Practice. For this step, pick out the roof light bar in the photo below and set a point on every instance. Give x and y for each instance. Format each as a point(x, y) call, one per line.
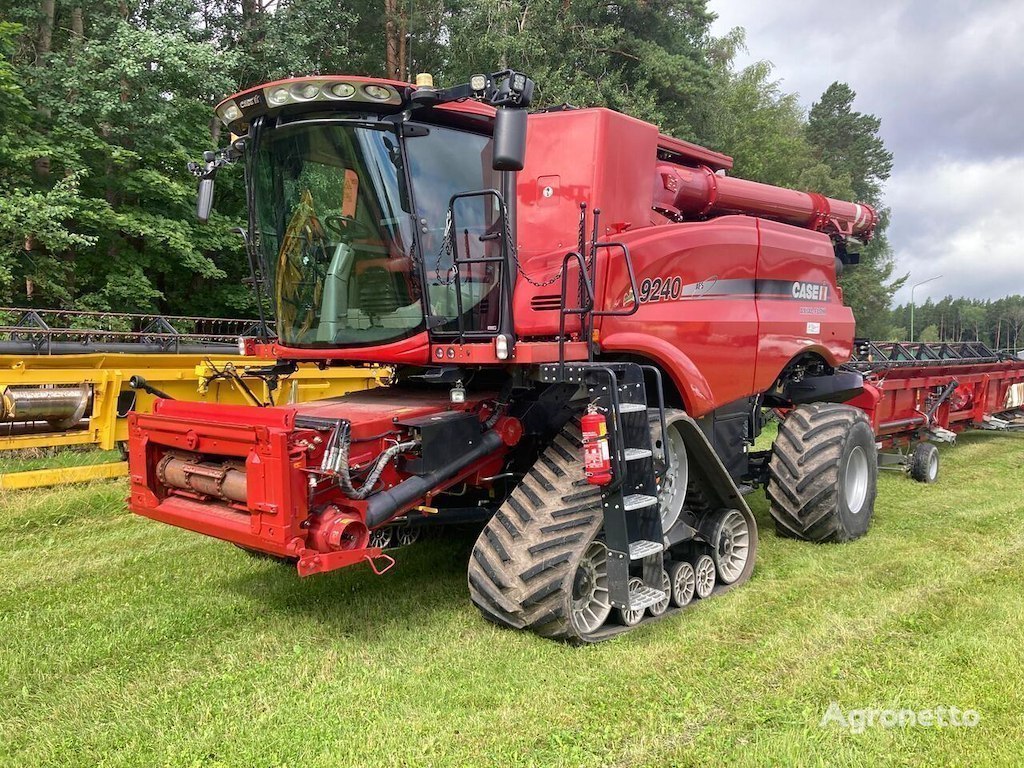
point(270, 98)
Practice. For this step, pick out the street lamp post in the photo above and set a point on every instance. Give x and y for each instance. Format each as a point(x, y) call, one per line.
point(912, 289)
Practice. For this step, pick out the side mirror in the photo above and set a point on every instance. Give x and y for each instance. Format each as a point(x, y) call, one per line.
point(204, 203)
point(509, 152)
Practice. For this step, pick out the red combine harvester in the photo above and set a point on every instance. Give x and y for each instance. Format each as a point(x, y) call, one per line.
point(588, 327)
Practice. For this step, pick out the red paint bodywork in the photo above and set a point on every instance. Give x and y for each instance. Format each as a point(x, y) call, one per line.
point(277, 456)
point(896, 400)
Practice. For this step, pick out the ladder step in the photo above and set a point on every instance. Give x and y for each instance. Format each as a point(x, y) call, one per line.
point(638, 550)
point(635, 454)
point(644, 597)
point(638, 501)
point(631, 407)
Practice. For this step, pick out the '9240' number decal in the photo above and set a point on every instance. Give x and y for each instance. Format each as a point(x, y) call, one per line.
point(660, 289)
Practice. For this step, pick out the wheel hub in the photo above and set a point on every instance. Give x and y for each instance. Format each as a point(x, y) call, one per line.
point(855, 480)
point(675, 478)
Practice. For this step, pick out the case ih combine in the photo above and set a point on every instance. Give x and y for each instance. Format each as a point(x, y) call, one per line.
point(585, 347)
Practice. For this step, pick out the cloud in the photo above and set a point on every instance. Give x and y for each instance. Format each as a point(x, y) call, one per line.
point(956, 219)
point(947, 80)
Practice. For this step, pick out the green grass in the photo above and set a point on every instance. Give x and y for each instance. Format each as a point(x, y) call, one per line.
point(54, 458)
point(127, 642)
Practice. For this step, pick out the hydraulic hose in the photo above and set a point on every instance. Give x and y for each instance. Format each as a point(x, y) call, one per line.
point(335, 461)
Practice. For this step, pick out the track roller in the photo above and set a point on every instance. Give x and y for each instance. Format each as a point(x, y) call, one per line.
point(381, 537)
point(406, 535)
point(683, 583)
point(729, 537)
point(632, 617)
point(659, 608)
point(704, 576)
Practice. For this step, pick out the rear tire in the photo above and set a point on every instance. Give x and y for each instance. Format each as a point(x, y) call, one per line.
point(924, 464)
point(823, 474)
point(525, 571)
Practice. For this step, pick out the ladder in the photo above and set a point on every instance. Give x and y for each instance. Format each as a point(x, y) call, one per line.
point(632, 513)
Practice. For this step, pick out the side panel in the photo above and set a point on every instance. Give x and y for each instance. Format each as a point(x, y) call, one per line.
point(596, 156)
point(696, 298)
point(798, 305)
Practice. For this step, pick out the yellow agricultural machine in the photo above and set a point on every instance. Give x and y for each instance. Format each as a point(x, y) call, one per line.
point(72, 378)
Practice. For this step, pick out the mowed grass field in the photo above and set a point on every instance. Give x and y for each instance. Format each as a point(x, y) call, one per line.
point(124, 642)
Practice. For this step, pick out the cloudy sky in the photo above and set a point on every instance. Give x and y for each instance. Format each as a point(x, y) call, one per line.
point(947, 79)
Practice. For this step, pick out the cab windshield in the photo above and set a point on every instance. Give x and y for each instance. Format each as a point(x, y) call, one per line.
point(336, 231)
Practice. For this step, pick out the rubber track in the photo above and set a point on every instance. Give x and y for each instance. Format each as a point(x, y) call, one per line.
point(522, 567)
point(804, 470)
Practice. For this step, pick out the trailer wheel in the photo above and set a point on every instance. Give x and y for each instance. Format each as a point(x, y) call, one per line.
point(924, 464)
point(823, 474)
point(538, 563)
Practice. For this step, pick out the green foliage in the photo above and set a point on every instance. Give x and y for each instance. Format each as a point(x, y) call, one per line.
point(852, 162)
point(998, 323)
point(103, 102)
point(929, 333)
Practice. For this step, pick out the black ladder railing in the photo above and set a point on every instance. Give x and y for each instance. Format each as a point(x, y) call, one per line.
point(504, 278)
point(587, 285)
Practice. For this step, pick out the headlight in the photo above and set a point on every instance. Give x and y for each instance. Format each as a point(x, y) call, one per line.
point(279, 96)
point(305, 91)
point(231, 113)
point(342, 90)
point(378, 92)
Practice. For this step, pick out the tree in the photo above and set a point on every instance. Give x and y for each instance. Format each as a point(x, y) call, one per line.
point(930, 333)
point(760, 126)
point(847, 143)
point(125, 103)
point(650, 59)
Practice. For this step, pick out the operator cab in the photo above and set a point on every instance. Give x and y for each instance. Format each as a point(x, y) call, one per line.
point(346, 210)
point(374, 216)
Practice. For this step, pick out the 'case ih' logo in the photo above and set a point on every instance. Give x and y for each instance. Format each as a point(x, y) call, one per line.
point(810, 291)
point(250, 102)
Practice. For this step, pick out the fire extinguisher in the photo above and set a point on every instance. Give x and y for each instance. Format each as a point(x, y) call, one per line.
point(597, 465)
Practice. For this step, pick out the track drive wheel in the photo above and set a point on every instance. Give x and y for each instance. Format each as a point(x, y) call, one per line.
point(823, 474)
point(538, 563)
point(924, 464)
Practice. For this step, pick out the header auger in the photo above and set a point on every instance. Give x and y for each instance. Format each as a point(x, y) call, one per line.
point(526, 275)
